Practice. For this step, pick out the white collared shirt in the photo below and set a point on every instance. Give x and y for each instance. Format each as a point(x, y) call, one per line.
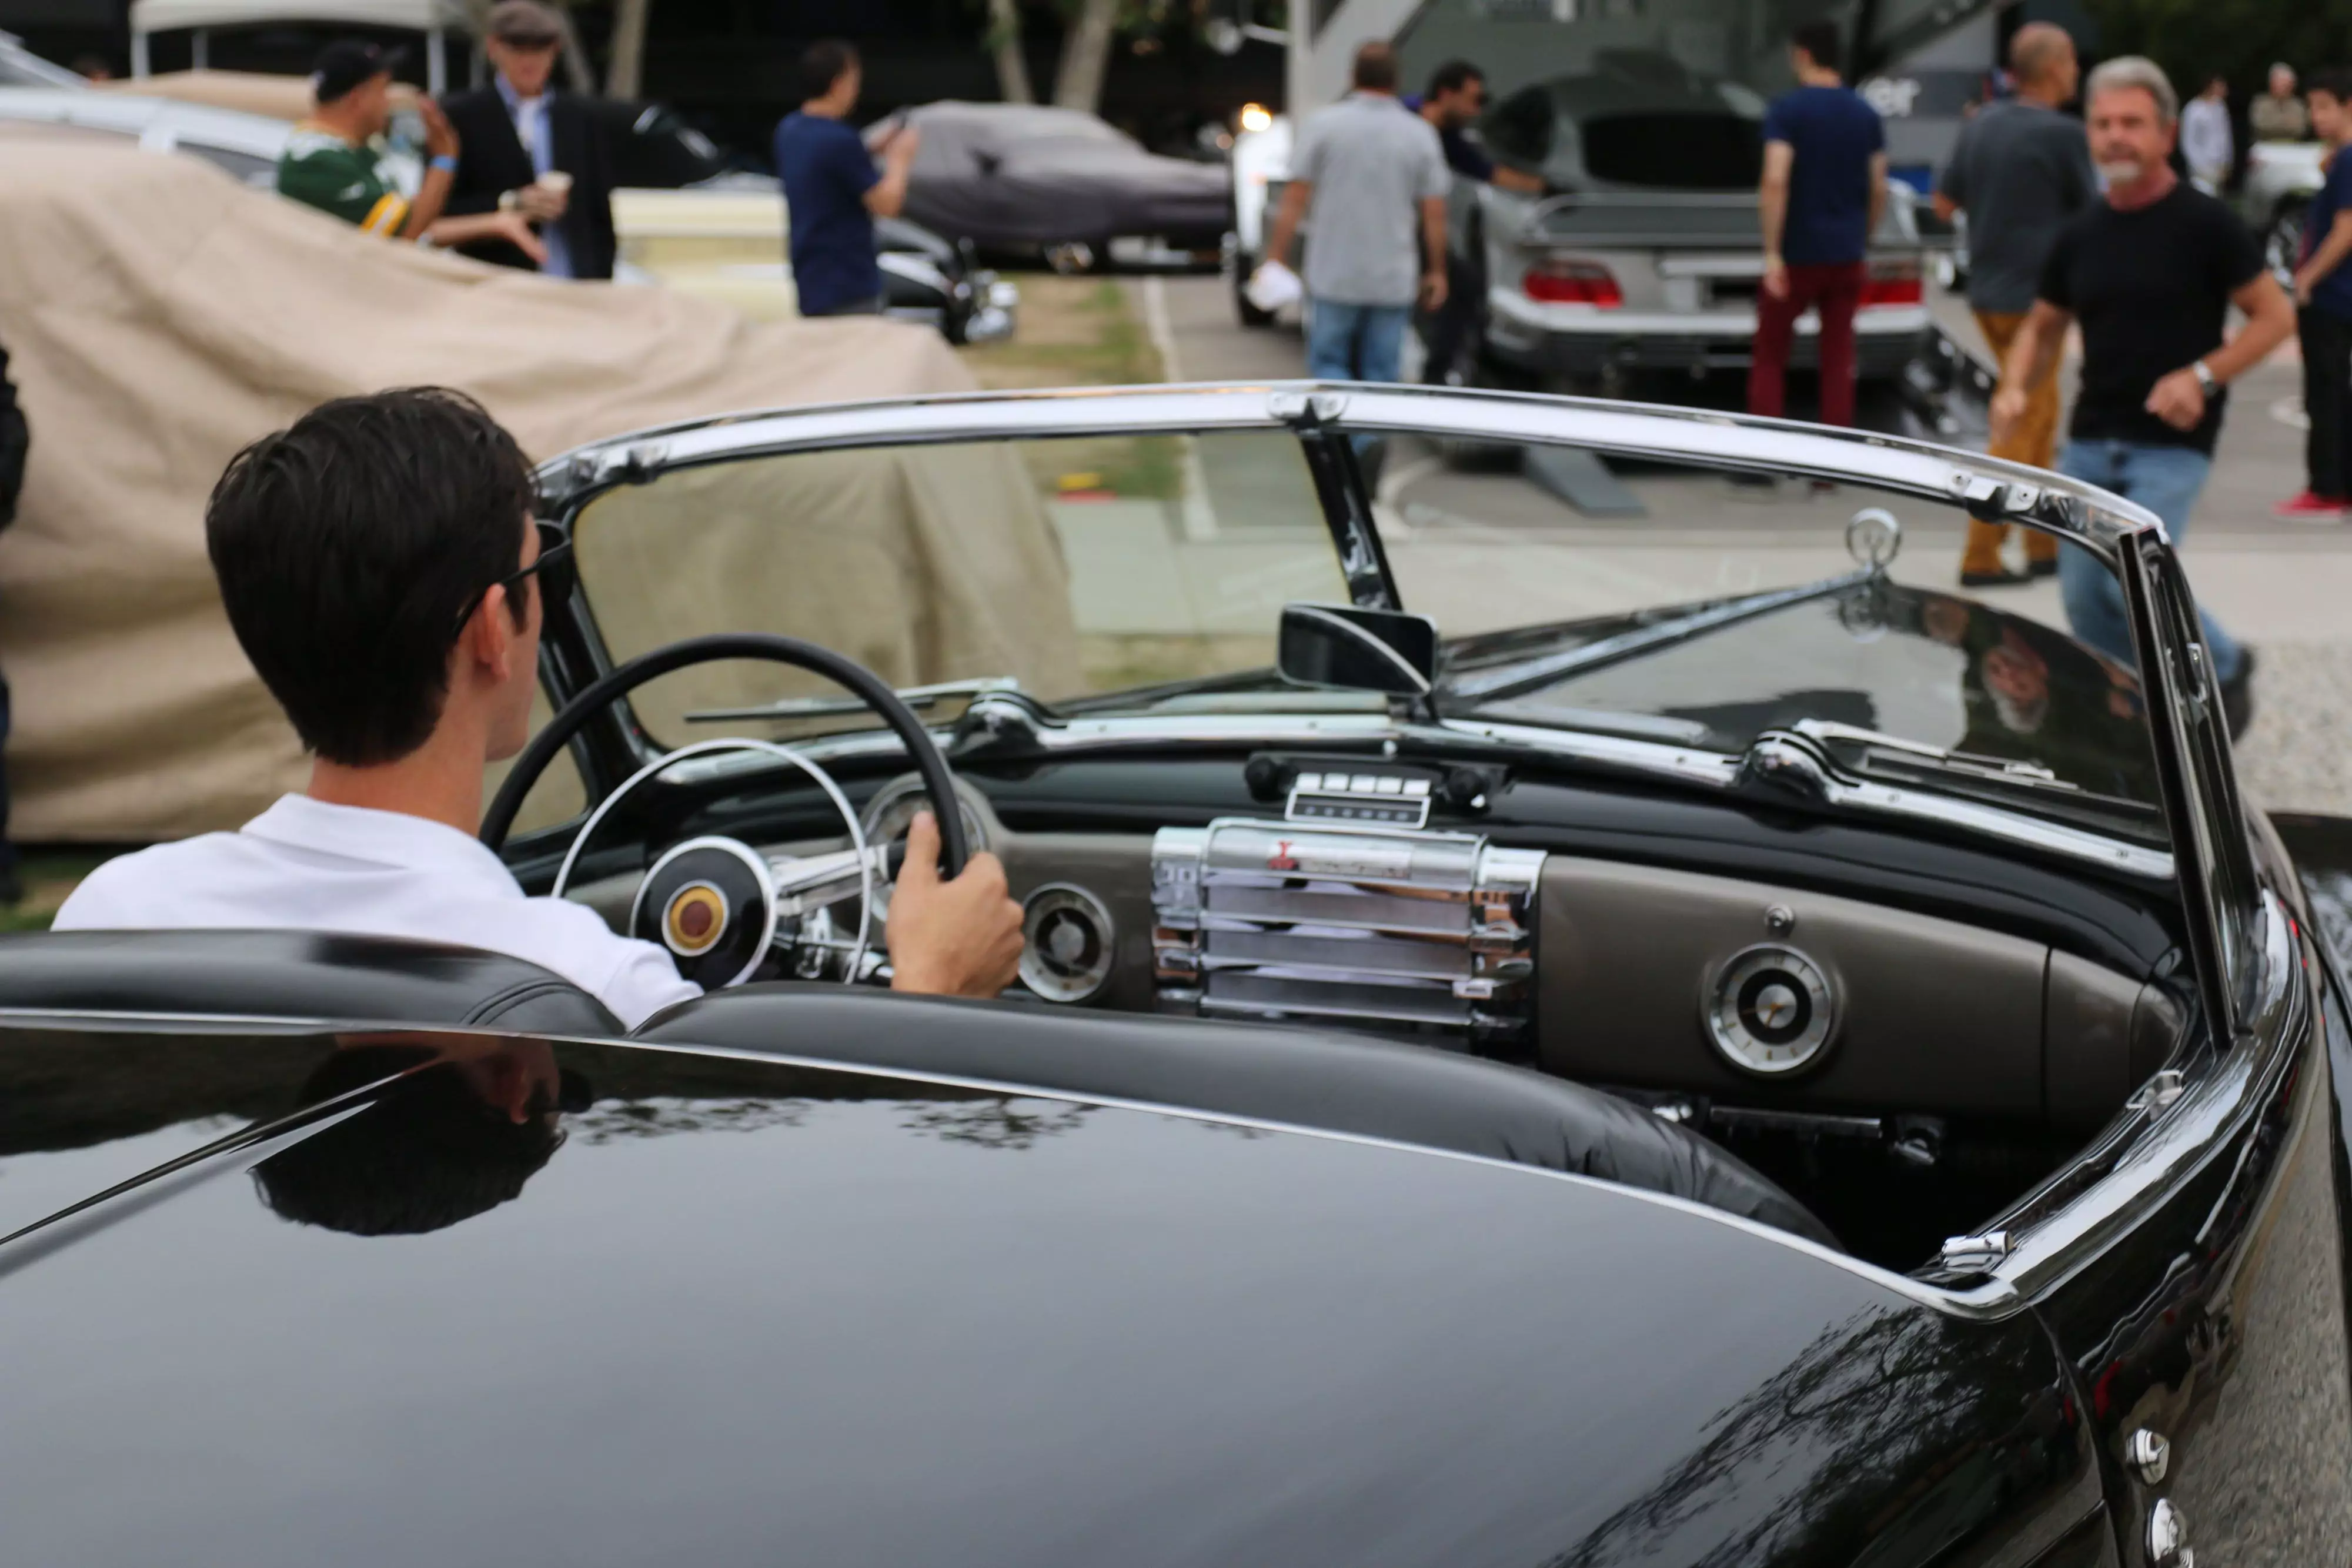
point(306, 866)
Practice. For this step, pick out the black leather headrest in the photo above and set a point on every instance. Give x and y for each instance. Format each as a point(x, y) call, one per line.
point(1333, 1082)
point(294, 974)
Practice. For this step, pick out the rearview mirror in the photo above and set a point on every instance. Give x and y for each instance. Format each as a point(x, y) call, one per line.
point(1358, 649)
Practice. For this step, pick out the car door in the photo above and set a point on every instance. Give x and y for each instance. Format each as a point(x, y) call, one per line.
point(2190, 1262)
point(2202, 1301)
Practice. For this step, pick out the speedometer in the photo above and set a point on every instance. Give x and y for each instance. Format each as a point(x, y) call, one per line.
point(894, 806)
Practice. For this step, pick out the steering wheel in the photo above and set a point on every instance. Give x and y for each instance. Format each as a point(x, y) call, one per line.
point(715, 903)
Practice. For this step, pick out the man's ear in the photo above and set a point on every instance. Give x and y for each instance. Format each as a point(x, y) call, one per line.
point(498, 632)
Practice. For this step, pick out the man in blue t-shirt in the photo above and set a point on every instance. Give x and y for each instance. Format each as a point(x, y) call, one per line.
point(1824, 192)
point(2323, 295)
point(833, 193)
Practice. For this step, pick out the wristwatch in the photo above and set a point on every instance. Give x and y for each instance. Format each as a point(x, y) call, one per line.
point(2205, 377)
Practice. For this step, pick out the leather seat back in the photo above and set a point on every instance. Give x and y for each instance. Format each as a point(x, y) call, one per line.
point(292, 975)
point(1328, 1080)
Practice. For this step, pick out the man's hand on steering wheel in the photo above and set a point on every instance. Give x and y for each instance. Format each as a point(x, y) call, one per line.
point(955, 938)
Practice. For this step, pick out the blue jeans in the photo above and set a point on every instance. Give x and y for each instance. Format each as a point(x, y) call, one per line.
point(1356, 342)
point(2163, 479)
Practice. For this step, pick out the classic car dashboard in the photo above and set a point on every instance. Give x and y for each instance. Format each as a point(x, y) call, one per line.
point(1372, 897)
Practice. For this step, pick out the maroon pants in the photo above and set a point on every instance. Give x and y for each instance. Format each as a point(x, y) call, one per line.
point(1834, 291)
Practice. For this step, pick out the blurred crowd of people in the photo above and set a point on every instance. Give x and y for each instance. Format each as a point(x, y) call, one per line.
point(516, 173)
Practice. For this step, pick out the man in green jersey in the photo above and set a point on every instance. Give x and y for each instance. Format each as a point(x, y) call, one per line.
point(330, 164)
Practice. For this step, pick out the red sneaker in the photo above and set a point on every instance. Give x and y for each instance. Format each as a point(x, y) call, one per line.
point(2310, 509)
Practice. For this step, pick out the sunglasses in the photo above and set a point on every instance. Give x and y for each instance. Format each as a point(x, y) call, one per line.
point(553, 569)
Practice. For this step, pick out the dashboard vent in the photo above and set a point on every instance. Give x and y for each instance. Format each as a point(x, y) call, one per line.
point(1394, 930)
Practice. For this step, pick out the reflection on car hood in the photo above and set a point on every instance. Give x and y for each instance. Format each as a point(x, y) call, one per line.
point(1930, 667)
point(754, 1312)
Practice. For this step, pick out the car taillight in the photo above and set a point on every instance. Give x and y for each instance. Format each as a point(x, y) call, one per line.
point(1552, 282)
point(1896, 284)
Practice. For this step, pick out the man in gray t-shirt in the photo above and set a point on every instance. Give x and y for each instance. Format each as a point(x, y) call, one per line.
point(2022, 170)
point(1371, 175)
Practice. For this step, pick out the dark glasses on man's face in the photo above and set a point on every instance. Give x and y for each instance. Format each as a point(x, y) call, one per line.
point(553, 569)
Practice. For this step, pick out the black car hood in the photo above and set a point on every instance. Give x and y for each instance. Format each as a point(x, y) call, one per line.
point(749, 1312)
point(1931, 667)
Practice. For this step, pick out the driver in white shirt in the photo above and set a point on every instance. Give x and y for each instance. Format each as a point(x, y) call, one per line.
point(382, 570)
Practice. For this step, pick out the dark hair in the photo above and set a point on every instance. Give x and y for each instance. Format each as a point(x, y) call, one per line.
point(1819, 39)
point(2335, 81)
point(822, 65)
point(1453, 77)
point(425, 1154)
point(1376, 67)
point(348, 546)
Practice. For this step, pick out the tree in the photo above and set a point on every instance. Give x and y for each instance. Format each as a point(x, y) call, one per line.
point(2196, 40)
point(625, 71)
point(1005, 44)
point(1086, 55)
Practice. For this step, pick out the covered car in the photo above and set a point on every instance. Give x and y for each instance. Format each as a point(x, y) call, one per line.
point(158, 317)
point(1030, 179)
point(1676, 1041)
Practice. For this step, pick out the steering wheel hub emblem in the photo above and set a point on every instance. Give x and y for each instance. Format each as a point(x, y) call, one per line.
point(695, 920)
point(1770, 1011)
point(712, 903)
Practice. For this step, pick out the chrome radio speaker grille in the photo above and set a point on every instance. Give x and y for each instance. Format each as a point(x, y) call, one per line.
point(1391, 929)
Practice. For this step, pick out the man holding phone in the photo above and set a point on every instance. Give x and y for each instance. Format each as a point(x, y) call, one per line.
point(833, 193)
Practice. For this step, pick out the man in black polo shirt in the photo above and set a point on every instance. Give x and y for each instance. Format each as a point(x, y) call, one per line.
point(1456, 97)
point(2150, 273)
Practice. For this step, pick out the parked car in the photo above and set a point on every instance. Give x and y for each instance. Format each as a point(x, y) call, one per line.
point(665, 236)
point(19, 67)
point(725, 237)
point(2281, 178)
point(1973, 1189)
point(1642, 255)
point(1030, 180)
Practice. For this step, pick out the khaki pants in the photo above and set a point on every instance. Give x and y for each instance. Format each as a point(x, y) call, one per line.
point(2034, 440)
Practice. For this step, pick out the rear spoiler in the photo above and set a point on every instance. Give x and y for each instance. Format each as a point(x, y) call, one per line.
point(1638, 219)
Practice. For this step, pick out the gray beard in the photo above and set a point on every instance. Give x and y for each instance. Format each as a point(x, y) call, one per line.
point(2119, 173)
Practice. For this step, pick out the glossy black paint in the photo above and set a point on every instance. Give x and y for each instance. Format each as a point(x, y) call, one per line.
point(756, 1313)
point(2217, 1319)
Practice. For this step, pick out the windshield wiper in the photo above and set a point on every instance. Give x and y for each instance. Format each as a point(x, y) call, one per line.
point(1891, 755)
point(915, 697)
point(1999, 769)
point(1546, 669)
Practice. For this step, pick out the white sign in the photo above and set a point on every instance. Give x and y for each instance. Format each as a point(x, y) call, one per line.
point(1893, 97)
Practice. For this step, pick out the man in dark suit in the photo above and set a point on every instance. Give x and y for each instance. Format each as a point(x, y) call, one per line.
point(527, 147)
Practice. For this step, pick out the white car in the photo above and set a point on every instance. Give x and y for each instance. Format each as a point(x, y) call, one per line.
point(2281, 178)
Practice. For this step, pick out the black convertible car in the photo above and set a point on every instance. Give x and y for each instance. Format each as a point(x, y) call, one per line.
point(1775, 1063)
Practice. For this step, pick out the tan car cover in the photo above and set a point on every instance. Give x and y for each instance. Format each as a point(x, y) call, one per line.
point(159, 317)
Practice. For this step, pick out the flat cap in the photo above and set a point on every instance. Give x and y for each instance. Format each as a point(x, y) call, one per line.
point(525, 22)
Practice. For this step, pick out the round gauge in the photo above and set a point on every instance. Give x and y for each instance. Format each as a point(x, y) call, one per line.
point(1068, 943)
point(895, 805)
point(1770, 1011)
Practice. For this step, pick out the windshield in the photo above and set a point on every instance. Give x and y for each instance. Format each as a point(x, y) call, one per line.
point(1700, 607)
point(1076, 567)
point(1145, 575)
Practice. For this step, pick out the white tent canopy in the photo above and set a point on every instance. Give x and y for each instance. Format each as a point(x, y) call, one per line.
point(433, 18)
